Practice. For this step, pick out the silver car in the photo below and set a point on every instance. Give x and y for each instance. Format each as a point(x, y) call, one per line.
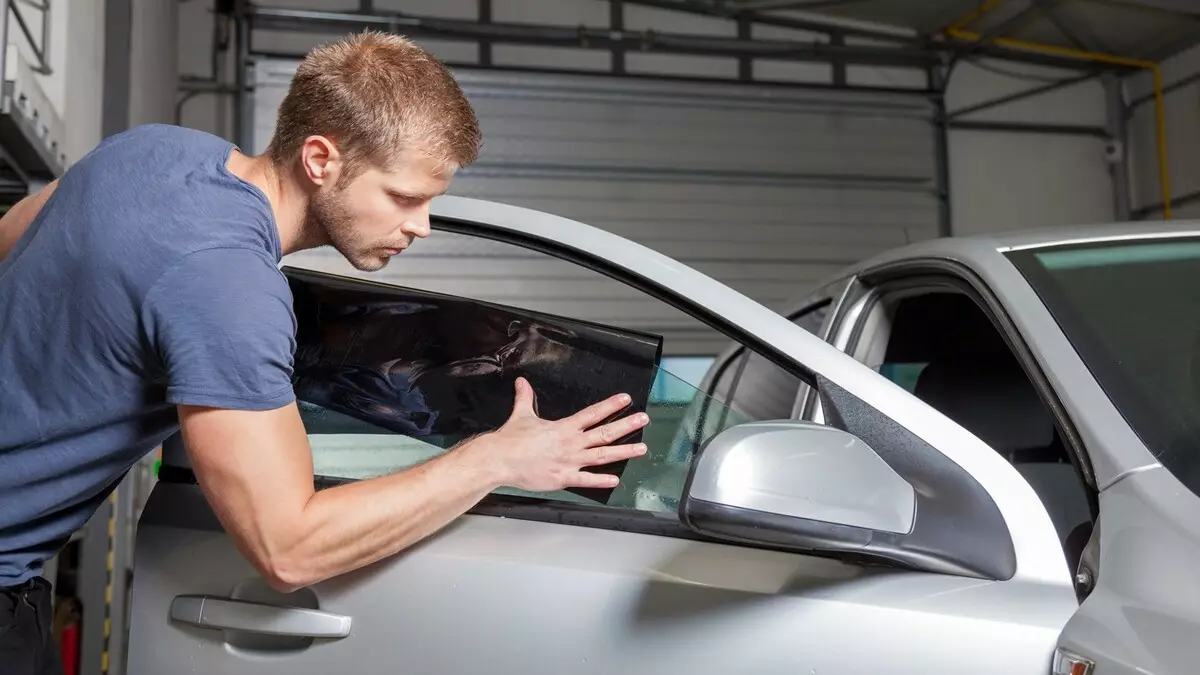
point(964, 456)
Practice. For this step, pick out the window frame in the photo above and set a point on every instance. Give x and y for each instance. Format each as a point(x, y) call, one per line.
point(873, 285)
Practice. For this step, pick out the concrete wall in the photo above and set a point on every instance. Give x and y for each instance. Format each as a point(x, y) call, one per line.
point(1006, 180)
point(1182, 115)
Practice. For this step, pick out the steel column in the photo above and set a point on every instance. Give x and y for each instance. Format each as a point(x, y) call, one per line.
point(1117, 152)
point(243, 116)
point(118, 27)
point(937, 79)
point(485, 16)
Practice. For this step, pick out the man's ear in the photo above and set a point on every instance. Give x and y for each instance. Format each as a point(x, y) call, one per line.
point(320, 160)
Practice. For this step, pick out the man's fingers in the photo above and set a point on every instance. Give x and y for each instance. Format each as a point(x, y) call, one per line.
point(609, 433)
point(612, 453)
point(585, 479)
point(597, 413)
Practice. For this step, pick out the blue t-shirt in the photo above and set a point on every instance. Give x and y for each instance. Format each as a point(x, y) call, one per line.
point(150, 278)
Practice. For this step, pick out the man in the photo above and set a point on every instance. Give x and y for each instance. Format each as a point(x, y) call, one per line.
point(140, 294)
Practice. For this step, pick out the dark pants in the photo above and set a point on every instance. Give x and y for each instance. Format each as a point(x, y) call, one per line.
point(27, 646)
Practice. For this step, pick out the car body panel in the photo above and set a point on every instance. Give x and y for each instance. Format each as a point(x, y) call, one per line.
point(514, 597)
point(1144, 614)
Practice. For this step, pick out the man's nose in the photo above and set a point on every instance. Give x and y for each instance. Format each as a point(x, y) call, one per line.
point(417, 226)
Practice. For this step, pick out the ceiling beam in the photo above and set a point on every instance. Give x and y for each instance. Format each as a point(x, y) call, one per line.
point(270, 18)
point(724, 10)
point(758, 5)
point(946, 47)
point(1049, 9)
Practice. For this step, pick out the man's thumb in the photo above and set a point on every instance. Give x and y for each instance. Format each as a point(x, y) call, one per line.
point(524, 402)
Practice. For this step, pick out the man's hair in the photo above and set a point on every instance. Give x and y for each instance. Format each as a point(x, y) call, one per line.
point(375, 94)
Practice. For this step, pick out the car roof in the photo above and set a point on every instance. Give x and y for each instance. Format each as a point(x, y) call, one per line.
point(968, 248)
point(972, 246)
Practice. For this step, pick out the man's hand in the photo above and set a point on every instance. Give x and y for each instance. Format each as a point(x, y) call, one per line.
point(537, 455)
point(255, 468)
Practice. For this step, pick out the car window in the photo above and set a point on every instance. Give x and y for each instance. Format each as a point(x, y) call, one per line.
point(756, 388)
point(943, 347)
point(349, 442)
point(1129, 308)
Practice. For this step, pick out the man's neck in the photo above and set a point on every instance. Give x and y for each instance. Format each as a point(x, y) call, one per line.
point(288, 201)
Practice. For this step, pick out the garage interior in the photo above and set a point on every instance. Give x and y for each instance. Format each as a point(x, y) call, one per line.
point(766, 143)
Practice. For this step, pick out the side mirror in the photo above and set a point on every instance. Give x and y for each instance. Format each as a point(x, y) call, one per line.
point(798, 485)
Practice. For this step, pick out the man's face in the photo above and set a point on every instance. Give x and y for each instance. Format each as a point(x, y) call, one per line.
point(379, 213)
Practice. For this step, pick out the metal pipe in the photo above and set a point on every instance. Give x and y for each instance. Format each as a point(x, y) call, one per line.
point(704, 8)
point(1160, 121)
point(541, 70)
point(1160, 133)
point(587, 38)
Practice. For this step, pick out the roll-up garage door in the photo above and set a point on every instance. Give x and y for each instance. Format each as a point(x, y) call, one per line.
point(767, 189)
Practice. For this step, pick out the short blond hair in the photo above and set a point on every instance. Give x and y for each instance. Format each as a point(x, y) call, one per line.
point(374, 95)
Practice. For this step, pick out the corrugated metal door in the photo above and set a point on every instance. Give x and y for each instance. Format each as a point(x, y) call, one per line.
point(766, 189)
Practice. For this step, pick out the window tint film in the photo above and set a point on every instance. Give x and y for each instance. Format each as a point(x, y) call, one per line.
point(381, 390)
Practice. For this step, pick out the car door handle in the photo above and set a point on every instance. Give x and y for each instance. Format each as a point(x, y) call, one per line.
point(208, 611)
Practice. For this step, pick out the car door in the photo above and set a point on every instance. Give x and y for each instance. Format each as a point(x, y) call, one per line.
point(564, 583)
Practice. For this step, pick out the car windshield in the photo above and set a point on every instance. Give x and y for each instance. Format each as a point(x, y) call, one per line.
point(1132, 311)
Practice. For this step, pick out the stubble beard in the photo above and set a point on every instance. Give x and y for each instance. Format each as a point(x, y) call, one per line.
point(328, 219)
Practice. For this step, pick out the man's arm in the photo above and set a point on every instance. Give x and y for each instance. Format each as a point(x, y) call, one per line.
point(255, 468)
point(17, 220)
point(221, 323)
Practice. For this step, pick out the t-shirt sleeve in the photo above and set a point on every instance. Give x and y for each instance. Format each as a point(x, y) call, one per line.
point(222, 325)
